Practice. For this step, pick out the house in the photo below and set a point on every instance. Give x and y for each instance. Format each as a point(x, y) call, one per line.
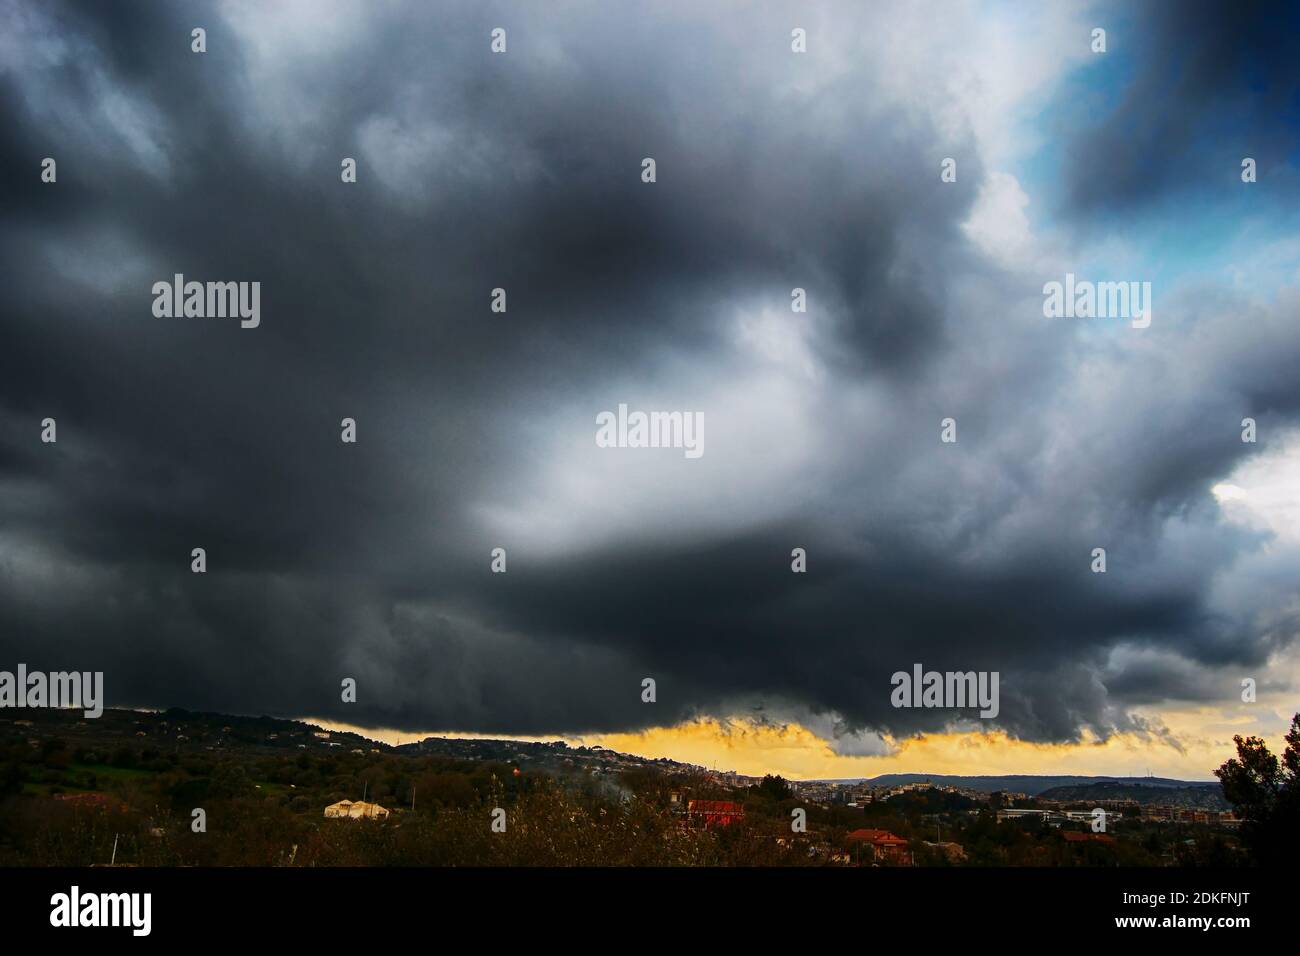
point(1074, 836)
point(885, 847)
point(1022, 814)
point(356, 810)
point(713, 813)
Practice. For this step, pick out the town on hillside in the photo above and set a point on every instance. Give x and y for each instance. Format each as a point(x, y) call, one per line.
point(181, 788)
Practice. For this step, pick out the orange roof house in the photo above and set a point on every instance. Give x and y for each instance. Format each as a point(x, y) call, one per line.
point(714, 813)
point(885, 846)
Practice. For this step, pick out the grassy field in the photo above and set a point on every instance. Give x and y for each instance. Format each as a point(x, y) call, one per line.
point(84, 777)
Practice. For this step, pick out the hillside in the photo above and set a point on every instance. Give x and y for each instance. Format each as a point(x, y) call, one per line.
point(1019, 783)
point(1206, 796)
point(179, 730)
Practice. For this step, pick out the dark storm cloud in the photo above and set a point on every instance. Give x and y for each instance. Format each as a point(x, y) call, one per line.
point(371, 561)
point(1211, 83)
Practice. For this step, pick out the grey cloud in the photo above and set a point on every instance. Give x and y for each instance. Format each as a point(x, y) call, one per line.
point(372, 560)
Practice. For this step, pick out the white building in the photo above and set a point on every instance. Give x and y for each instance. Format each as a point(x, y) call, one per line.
point(356, 810)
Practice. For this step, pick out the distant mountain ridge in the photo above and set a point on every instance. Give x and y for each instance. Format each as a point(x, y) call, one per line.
point(1030, 784)
point(1205, 796)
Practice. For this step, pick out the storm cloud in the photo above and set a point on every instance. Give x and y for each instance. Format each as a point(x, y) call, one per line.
point(522, 171)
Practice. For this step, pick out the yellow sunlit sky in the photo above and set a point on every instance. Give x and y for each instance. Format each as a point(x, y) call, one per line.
point(1192, 744)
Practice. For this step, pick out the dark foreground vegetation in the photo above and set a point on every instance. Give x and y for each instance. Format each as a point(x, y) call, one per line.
point(73, 794)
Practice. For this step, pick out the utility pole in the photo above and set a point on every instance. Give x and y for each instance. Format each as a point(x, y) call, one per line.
point(113, 861)
point(412, 798)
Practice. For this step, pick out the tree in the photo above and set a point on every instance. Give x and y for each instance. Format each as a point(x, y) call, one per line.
point(775, 788)
point(1266, 795)
point(11, 779)
point(230, 780)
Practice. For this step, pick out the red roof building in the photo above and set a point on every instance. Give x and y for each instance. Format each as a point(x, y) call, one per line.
point(885, 846)
point(714, 813)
